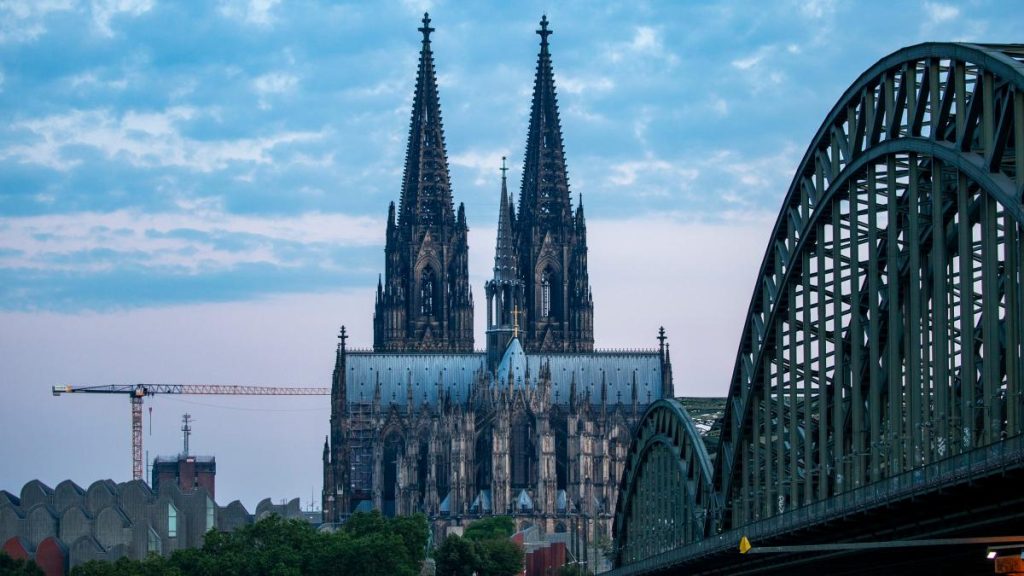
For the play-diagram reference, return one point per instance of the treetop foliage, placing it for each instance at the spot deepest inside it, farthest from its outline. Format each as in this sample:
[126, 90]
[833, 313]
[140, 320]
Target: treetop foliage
[367, 544]
[490, 528]
[484, 549]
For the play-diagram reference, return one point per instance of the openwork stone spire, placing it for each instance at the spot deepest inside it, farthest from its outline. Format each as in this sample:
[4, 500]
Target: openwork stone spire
[550, 240]
[545, 188]
[505, 265]
[425, 302]
[426, 189]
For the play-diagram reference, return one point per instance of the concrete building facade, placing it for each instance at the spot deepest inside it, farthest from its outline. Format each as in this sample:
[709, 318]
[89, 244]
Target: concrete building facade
[66, 526]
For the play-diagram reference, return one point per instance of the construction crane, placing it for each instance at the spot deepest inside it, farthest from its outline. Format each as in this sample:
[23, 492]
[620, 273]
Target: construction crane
[136, 392]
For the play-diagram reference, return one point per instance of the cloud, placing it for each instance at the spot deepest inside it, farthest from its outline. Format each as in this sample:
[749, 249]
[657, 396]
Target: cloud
[703, 185]
[817, 9]
[583, 113]
[484, 162]
[417, 7]
[645, 43]
[752, 61]
[579, 85]
[938, 13]
[103, 11]
[92, 80]
[949, 21]
[200, 238]
[627, 173]
[273, 83]
[251, 12]
[145, 139]
[760, 68]
[25, 20]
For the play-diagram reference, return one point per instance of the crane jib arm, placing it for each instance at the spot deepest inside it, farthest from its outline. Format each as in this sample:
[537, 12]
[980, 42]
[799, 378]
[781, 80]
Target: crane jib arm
[140, 390]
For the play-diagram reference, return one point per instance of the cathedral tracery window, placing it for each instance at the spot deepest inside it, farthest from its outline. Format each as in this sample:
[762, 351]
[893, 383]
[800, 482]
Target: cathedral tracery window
[545, 294]
[427, 292]
[522, 451]
[393, 451]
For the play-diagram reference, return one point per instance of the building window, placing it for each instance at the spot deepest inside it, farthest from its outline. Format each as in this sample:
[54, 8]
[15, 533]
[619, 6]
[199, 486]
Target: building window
[172, 521]
[211, 514]
[427, 292]
[154, 542]
[545, 294]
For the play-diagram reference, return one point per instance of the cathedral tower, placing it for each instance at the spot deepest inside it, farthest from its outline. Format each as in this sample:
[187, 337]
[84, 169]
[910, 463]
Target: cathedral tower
[425, 302]
[551, 240]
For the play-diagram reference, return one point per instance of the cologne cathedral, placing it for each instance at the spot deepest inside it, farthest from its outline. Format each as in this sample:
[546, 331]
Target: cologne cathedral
[538, 424]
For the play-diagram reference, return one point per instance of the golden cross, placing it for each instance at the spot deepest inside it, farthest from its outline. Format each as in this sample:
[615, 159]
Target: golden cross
[515, 321]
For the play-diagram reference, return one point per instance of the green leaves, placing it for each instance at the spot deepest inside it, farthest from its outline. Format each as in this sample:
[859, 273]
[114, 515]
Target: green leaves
[367, 544]
[490, 528]
[484, 549]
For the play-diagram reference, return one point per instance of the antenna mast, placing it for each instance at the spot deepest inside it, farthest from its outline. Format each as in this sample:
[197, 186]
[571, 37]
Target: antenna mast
[186, 428]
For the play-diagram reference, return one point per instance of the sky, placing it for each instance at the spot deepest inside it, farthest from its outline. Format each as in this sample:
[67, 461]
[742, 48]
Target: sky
[196, 192]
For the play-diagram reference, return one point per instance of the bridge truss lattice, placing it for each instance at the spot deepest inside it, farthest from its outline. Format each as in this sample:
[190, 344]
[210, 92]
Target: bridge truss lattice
[882, 351]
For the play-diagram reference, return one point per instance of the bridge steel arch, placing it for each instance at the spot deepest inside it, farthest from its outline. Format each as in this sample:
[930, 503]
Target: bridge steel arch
[666, 484]
[882, 350]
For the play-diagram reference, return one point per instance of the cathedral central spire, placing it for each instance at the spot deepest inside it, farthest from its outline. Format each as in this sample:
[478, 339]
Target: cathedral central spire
[505, 250]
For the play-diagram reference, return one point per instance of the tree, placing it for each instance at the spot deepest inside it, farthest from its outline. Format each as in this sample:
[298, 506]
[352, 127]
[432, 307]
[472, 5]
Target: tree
[490, 528]
[484, 551]
[457, 556]
[14, 567]
[414, 532]
[500, 557]
[368, 544]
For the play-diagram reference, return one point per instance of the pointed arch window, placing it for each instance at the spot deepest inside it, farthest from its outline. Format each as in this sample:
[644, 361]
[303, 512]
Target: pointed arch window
[545, 294]
[522, 451]
[427, 292]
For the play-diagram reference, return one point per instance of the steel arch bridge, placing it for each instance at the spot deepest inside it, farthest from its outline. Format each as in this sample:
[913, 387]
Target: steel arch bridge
[880, 371]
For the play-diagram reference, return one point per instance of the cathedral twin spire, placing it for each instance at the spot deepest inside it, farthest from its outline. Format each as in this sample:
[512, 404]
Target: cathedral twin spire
[424, 302]
[551, 240]
[426, 187]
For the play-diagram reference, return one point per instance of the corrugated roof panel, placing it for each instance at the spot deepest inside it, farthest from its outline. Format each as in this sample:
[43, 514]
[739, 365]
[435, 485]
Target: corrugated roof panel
[426, 373]
[430, 375]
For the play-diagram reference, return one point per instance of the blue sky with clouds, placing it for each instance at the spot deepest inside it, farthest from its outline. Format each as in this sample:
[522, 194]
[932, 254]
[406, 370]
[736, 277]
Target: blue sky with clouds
[183, 184]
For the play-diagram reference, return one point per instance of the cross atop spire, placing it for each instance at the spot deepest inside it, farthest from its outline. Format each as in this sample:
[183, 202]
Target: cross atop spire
[426, 29]
[544, 32]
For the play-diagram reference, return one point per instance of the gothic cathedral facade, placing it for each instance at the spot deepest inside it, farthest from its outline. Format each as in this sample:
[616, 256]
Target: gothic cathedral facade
[538, 424]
